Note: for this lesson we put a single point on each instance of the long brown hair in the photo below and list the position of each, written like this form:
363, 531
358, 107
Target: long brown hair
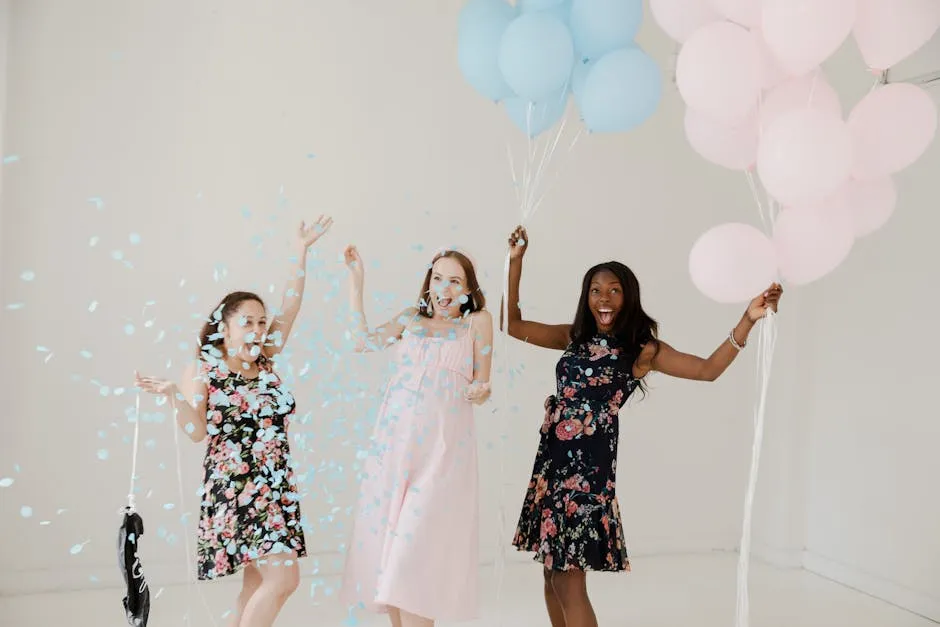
476, 301
211, 337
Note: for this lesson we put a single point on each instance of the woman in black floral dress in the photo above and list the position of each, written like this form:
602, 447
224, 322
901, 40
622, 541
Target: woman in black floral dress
570, 518
231, 396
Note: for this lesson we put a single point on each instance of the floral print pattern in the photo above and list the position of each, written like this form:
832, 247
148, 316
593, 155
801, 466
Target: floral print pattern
570, 517
250, 505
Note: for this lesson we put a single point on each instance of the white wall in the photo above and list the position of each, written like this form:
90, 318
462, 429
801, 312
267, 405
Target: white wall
178, 114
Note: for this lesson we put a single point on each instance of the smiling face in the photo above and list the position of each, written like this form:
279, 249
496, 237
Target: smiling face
605, 299
447, 289
245, 331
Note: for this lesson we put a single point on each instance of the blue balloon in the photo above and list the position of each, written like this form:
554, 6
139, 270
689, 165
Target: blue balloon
536, 55
578, 76
534, 118
621, 91
599, 26
480, 29
559, 8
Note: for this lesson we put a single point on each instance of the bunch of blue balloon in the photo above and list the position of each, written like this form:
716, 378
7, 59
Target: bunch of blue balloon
532, 55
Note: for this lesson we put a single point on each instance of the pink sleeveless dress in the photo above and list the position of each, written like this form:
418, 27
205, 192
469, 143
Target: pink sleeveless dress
415, 541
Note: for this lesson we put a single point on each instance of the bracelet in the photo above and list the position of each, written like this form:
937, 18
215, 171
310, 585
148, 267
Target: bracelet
734, 342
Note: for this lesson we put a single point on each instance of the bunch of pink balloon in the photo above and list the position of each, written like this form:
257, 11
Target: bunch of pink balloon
757, 100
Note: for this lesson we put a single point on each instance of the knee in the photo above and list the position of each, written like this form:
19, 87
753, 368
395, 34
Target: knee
286, 580
570, 585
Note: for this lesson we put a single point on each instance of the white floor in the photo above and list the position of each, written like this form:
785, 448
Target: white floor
686, 591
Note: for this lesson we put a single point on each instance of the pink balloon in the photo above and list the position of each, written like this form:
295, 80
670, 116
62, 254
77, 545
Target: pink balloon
732, 263
809, 91
888, 31
732, 146
680, 18
804, 33
743, 12
811, 244
892, 127
771, 73
871, 203
804, 155
718, 71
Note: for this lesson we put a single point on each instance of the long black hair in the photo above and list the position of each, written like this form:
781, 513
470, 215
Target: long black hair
633, 327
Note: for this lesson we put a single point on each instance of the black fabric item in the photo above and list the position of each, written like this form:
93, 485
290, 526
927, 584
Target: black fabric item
137, 599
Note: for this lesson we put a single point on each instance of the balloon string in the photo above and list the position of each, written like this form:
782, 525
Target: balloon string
131, 499
190, 566
766, 343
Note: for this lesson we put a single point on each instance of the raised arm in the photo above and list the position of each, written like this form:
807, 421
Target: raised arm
664, 358
555, 336
189, 399
294, 289
366, 339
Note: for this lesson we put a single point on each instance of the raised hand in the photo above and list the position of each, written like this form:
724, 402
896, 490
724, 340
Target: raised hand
769, 299
354, 262
309, 234
518, 242
154, 385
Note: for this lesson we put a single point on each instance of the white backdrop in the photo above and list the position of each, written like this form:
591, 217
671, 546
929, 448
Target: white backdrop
208, 130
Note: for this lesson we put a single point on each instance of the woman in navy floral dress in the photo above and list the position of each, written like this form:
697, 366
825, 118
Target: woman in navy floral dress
570, 517
250, 517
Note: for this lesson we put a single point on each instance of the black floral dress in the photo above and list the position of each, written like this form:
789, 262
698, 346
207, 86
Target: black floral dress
250, 505
570, 518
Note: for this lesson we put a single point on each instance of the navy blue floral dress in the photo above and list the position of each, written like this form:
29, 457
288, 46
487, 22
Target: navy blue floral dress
570, 518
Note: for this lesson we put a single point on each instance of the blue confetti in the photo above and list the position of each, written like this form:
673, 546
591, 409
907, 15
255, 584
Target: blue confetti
6, 482
28, 275
129, 329
77, 548
134, 238
117, 255
26, 511
86, 354
13, 306
94, 240
103, 454
93, 305
97, 202
11, 159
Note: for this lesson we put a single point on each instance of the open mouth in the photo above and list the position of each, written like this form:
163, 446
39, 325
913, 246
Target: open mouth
605, 316
445, 301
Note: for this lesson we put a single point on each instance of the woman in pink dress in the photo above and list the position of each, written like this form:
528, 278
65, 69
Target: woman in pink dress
415, 542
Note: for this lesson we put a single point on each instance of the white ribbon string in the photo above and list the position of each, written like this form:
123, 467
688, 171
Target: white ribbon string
131, 499
190, 560
766, 341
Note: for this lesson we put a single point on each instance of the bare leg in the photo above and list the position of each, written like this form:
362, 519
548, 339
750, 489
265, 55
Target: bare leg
394, 614
278, 582
251, 580
571, 588
412, 620
556, 615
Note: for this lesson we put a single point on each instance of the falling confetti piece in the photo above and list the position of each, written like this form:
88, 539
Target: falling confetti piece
129, 329
77, 548
13, 306
11, 159
134, 238
97, 202
86, 354
6, 482
310, 155
26, 511
93, 241
117, 255
93, 305
28, 275
103, 454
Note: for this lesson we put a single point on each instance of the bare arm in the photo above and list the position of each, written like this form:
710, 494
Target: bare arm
554, 336
482, 329
664, 358
293, 296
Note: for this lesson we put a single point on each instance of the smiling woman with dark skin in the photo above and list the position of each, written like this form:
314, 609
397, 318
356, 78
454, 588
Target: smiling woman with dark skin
570, 517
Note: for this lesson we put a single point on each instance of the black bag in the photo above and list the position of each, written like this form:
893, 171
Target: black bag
137, 599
